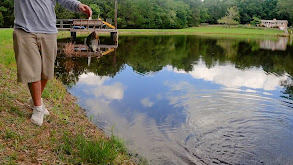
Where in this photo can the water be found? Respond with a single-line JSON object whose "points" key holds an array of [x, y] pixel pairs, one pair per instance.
{"points": [[190, 99]]}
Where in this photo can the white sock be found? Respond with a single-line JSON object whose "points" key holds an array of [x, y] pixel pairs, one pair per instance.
{"points": [[38, 107]]}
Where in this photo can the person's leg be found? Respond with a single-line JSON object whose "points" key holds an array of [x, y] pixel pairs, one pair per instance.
{"points": [[43, 85], [29, 67], [37, 116], [36, 92], [48, 52]]}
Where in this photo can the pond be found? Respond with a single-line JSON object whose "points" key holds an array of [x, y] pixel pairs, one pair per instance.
{"points": [[190, 99]]}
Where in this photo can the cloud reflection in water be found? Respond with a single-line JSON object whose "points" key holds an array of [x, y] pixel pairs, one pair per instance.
{"points": [[224, 120], [229, 76]]}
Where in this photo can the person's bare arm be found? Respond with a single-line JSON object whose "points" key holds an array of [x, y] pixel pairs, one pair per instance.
{"points": [[85, 9], [76, 6]]}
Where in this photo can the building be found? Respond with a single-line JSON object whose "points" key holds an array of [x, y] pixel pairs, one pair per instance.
{"points": [[282, 24], [280, 45]]}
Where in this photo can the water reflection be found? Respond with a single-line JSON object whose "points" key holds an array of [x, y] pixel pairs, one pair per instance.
{"points": [[281, 44], [190, 100], [231, 77]]}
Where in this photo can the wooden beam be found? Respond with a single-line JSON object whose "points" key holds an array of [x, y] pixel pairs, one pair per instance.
{"points": [[92, 29], [82, 47], [116, 11]]}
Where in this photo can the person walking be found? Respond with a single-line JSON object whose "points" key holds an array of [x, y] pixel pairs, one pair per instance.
{"points": [[35, 46]]}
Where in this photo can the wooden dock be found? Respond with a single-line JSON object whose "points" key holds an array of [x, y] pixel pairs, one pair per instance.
{"points": [[84, 25], [79, 50], [82, 51], [89, 25]]}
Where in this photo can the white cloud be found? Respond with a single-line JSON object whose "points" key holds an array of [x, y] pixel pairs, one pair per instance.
{"points": [[266, 93], [250, 91], [159, 96], [146, 102], [231, 77], [92, 79], [115, 91]]}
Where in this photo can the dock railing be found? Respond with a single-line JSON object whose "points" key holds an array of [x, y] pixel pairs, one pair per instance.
{"points": [[79, 25]]}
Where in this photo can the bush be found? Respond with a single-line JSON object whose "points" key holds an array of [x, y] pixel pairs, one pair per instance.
{"points": [[255, 22]]}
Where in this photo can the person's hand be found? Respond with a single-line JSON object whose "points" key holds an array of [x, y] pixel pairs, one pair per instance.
{"points": [[85, 9]]}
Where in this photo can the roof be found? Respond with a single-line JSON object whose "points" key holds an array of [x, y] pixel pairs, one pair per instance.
{"points": [[274, 20]]}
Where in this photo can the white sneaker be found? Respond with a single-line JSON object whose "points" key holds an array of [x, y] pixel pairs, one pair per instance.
{"points": [[45, 110], [37, 116]]}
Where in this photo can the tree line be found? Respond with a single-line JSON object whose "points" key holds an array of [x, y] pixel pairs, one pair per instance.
{"points": [[170, 14]]}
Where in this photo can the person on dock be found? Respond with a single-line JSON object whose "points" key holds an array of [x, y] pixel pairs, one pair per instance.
{"points": [[35, 46]]}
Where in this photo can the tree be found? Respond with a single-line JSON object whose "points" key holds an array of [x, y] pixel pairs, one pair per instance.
{"points": [[6, 10], [62, 13], [170, 14], [204, 15], [96, 11], [1, 20], [270, 9], [232, 17], [249, 9], [193, 16], [256, 21], [215, 10], [285, 9]]}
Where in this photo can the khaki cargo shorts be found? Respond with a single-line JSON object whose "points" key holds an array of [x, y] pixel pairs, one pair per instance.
{"points": [[35, 55]]}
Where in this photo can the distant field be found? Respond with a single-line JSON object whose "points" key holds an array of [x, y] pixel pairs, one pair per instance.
{"points": [[206, 30]]}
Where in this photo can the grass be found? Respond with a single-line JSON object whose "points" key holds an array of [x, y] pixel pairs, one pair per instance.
{"points": [[21, 142], [240, 32], [212, 29], [91, 151]]}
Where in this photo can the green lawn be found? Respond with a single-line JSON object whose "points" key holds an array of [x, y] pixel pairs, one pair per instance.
{"points": [[207, 30], [217, 31]]}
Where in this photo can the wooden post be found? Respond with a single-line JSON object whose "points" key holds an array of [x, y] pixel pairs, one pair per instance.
{"points": [[73, 37], [112, 36], [116, 11]]}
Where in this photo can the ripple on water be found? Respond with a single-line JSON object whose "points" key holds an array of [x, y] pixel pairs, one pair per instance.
{"points": [[232, 127]]}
